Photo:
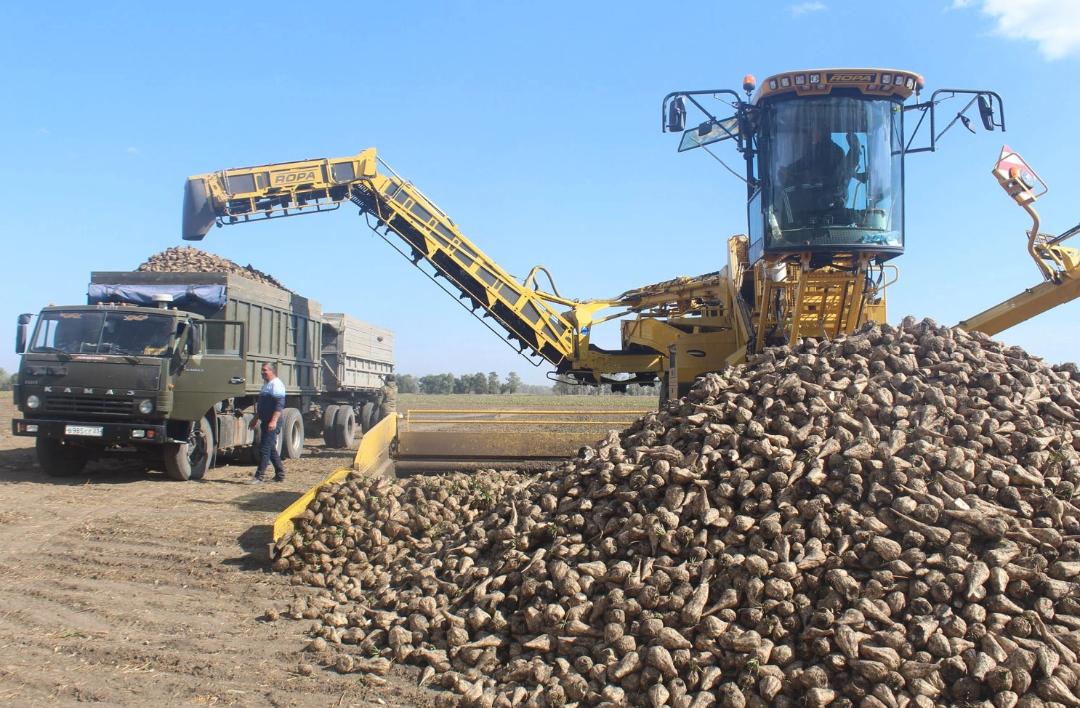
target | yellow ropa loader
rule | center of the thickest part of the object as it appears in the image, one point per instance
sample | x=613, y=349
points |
x=823, y=153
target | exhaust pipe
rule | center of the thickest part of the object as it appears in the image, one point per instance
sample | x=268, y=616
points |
x=198, y=215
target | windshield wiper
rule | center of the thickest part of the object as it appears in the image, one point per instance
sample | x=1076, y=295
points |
x=60, y=353
x=114, y=350
x=128, y=356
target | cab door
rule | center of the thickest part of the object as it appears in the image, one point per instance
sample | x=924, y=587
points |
x=210, y=367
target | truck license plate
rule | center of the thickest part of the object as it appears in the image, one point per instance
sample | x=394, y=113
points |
x=90, y=431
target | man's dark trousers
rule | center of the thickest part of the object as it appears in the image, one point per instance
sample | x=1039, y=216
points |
x=268, y=453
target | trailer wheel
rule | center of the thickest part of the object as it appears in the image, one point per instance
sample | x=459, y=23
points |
x=367, y=416
x=345, y=427
x=328, y=426
x=59, y=460
x=292, y=432
x=190, y=460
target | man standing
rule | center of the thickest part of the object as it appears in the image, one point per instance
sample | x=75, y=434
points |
x=389, y=397
x=268, y=415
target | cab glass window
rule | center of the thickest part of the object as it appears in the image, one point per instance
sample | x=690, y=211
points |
x=833, y=169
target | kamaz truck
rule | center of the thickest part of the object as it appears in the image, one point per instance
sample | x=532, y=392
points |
x=166, y=366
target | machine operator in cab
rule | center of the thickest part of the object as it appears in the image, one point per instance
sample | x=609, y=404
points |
x=823, y=170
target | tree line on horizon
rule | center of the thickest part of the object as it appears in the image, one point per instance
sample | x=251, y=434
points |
x=492, y=383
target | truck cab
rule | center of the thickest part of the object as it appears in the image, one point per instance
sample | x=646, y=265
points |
x=96, y=379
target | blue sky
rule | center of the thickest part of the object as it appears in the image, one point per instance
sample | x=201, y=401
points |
x=536, y=126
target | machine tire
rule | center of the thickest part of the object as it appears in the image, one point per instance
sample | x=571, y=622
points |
x=328, y=426
x=190, y=460
x=345, y=427
x=57, y=459
x=292, y=434
x=368, y=416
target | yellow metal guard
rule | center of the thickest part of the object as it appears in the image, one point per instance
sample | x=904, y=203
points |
x=449, y=439
x=374, y=452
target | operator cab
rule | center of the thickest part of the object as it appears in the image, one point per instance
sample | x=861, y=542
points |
x=824, y=152
x=830, y=164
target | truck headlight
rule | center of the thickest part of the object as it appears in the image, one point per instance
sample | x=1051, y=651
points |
x=33, y=402
x=146, y=406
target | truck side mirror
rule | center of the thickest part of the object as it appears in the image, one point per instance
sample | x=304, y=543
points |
x=986, y=112
x=194, y=339
x=676, y=117
x=20, y=333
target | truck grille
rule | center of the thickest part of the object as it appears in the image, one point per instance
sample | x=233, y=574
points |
x=87, y=405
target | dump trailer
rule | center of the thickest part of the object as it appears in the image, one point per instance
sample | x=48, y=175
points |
x=357, y=364
x=167, y=366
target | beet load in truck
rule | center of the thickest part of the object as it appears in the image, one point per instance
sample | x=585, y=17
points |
x=167, y=366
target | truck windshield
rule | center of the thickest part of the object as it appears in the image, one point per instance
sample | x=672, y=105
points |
x=121, y=333
x=834, y=168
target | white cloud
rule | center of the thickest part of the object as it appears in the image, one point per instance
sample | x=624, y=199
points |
x=132, y=151
x=804, y=7
x=1053, y=25
x=43, y=131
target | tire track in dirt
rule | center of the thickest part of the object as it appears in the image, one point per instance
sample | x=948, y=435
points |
x=122, y=587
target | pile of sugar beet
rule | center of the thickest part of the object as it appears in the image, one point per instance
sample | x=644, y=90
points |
x=188, y=259
x=887, y=519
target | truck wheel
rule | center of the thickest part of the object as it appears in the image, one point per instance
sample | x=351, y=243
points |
x=292, y=434
x=190, y=460
x=328, y=425
x=344, y=427
x=367, y=416
x=59, y=460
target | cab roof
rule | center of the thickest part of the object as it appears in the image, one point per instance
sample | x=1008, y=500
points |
x=821, y=82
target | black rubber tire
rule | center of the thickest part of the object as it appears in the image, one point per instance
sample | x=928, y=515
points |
x=59, y=460
x=292, y=434
x=368, y=414
x=344, y=427
x=190, y=460
x=328, y=426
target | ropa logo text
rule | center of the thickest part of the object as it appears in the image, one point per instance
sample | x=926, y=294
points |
x=865, y=78
x=294, y=177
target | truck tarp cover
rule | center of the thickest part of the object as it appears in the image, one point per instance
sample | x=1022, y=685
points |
x=205, y=300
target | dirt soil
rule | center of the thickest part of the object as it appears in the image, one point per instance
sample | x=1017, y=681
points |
x=123, y=587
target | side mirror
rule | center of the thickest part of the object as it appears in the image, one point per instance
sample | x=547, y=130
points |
x=194, y=339
x=986, y=112
x=20, y=333
x=676, y=117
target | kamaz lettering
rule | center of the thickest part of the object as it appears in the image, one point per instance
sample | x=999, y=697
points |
x=852, y=78
x=298, y=177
